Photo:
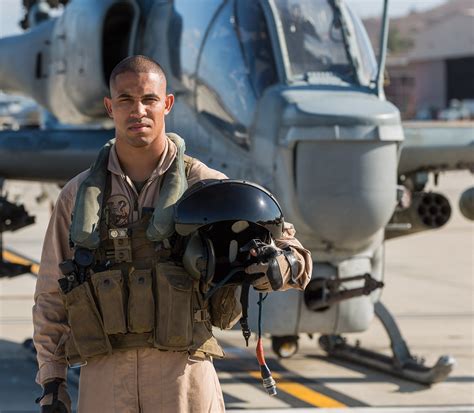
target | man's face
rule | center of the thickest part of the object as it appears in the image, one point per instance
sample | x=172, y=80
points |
x=138, y=105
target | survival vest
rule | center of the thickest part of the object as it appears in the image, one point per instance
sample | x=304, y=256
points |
x=136, y=292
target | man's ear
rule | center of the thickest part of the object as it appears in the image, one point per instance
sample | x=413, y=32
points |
x=169, y=101
x=108, y=106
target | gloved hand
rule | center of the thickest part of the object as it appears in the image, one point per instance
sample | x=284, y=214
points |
x=275, y=266
x=266, y=270
x=55, y=398
x=263, y=253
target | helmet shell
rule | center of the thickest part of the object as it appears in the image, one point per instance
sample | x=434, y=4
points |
x=227, y=200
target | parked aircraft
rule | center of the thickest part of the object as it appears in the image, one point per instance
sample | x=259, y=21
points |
x=285, y=93
x=18, y=112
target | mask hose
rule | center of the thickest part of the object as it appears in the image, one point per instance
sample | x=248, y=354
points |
x=267, y=379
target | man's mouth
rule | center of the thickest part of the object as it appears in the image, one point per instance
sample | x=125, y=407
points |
x=138, y=127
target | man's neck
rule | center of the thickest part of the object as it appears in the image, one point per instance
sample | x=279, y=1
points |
x=139, y=163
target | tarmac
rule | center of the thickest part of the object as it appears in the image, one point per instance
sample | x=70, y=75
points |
x=429, y=284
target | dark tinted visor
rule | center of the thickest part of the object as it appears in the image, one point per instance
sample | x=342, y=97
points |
x=213, y=201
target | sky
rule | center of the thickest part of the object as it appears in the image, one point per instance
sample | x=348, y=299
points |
x=11, y=10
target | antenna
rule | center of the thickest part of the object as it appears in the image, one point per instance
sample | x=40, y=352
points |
x=383, y=51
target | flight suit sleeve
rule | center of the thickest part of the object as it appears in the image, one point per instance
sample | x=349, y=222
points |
x=51, y=329
x=304, y=263
x=199, y=171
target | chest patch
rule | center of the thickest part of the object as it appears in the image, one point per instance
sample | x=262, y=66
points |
x=119, y=210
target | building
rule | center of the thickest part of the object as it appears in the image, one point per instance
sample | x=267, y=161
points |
x=438, y=69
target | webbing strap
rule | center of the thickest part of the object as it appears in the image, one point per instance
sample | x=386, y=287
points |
x=293, y=263
x=274, y=274
x=244, y=301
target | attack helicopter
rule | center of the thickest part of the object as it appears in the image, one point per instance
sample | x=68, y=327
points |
x=285, y=93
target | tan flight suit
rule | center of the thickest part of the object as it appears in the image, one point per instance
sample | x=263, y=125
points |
x=143, y=379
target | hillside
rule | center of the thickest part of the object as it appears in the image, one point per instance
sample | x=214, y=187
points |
x=403, y=30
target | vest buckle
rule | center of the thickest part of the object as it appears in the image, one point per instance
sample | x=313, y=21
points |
x=122, y=244
x=201, y=315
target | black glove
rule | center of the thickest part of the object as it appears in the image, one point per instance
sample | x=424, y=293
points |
x=55, y=398
x=265, y=268
x=260, y=252
x=271, y=263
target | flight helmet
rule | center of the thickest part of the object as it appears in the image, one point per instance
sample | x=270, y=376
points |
x=220, y=218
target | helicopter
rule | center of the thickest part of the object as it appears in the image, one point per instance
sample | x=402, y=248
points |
x=284, y=93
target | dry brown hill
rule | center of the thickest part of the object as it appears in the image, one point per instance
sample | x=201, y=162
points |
x=403, y=29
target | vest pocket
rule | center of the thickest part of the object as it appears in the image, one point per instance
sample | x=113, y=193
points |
x=225, y=308
x=86, y=325
x=108, y=286
x=174, y=317
x=140, y=301
x=73, y=357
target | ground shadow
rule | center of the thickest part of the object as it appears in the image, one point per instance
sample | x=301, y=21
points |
x=18, y=389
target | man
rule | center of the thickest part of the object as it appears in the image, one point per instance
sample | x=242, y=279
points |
x=132, y=365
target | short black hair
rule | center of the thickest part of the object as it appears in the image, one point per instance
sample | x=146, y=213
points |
x=136, y=64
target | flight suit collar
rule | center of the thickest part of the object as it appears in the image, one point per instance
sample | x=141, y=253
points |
x=164, y=163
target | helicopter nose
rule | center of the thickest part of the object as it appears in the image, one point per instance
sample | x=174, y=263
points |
x=346, y=190
x=336, y=166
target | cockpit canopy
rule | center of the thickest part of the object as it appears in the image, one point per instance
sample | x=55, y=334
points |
x=314, y=38
x=233, y=50
x=324, y=40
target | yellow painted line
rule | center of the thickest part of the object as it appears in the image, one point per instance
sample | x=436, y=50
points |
x=15, y=297
x=301, y=392
x=16, y=259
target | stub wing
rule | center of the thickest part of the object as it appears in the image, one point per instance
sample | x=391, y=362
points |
x=49, y=155
x=431, y=147
x=437, y=147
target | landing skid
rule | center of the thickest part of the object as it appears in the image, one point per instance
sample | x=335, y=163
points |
x=401, y=364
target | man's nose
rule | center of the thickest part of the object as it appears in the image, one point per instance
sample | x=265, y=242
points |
x=138, y=109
